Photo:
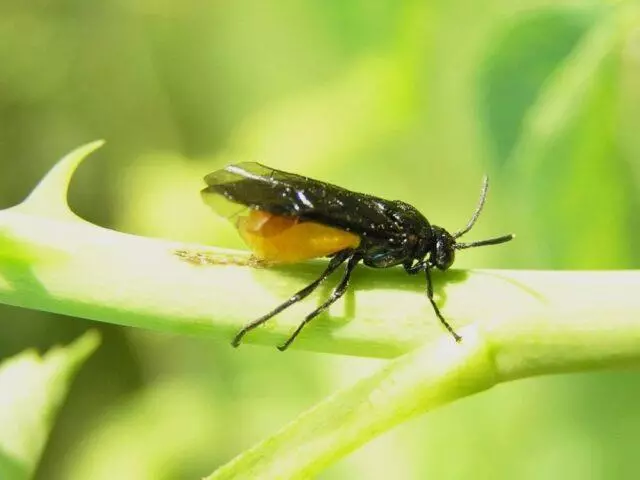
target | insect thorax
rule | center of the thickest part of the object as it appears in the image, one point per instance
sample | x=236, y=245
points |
x=410, y=239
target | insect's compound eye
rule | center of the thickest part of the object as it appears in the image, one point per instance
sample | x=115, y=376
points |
x=445, y=254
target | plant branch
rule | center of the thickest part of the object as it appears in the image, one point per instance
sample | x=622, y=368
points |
x=518, y=323
x=431, y=375
x=54, y=261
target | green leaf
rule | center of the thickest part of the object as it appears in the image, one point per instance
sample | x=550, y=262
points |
x=152, y=422
x=571, y=175
x=517, y=66
x=32, y=388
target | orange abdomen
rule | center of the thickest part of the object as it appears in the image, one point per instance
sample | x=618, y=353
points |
x=280, y=239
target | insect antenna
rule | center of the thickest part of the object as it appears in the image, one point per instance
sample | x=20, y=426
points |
x=482, y=243
x=476, y=213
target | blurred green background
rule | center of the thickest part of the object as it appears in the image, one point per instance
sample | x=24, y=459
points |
x=410, y=100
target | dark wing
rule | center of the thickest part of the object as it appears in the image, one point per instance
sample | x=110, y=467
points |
x=236, y=187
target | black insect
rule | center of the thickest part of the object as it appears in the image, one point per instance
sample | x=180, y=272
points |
x=287, y=218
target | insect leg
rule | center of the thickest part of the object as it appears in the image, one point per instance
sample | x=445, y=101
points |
x=334, y=263
x=415, y=268
x=449, y=328
x=335, y=295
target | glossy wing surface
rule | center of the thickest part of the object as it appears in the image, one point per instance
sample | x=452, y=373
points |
x=256, y=186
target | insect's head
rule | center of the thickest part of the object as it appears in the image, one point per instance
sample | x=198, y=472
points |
x=444, y=252
x=446, y=244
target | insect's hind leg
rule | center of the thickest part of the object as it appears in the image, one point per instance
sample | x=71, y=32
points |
x=335, y=295
x=449, y=328
x=334, y=263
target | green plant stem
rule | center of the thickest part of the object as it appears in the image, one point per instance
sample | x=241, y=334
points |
x=560, y=334
x=412, y=384
x=78, y=269
x=52, y=260
x=555, y=338
x=518, y=323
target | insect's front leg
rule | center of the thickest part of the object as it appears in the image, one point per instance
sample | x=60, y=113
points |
x=449, y=328
x=413, y=268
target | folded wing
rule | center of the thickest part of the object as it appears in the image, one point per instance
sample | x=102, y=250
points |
x=249, y=185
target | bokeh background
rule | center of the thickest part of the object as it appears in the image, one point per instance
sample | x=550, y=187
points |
x=412, y=100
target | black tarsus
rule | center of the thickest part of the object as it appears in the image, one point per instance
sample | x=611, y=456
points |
x=338, y=292
x=446, y=325
x=337, y=260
